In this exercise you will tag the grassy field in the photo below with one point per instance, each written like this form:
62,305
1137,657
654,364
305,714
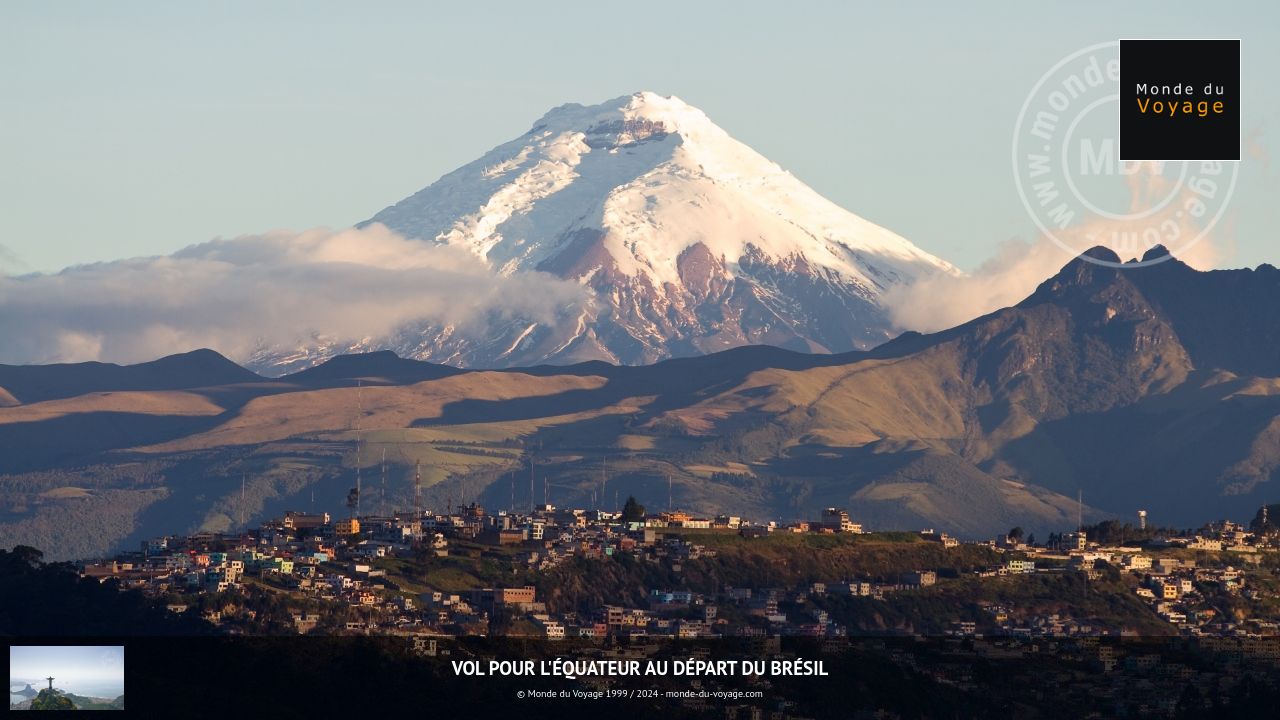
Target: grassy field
778,561
1109,603
467,567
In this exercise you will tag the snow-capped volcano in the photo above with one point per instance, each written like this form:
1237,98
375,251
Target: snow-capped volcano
687,240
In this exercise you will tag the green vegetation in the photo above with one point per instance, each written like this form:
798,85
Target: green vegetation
778,561
1109,602
1113,532
632,511
87,703
719,538
38,598
468,566
1266,519
79,527
52,700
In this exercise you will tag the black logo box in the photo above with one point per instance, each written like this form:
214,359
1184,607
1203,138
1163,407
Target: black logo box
1182,65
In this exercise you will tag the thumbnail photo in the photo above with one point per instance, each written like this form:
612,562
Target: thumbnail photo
66,677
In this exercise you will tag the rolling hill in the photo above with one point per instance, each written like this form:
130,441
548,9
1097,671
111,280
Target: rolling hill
1123,385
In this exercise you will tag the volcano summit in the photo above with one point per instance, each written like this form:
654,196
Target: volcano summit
686,242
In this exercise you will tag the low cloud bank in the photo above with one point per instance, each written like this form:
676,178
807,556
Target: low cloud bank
944,301
276,290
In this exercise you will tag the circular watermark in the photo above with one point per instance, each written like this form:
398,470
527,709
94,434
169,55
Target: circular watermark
1081,195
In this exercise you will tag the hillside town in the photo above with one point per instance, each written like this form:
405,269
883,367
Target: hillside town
356,575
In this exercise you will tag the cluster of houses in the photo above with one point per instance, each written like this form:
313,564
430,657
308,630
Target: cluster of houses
337,560
1179,592
1175,587
340,561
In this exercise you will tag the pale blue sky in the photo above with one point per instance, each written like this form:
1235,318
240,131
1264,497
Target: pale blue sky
80,669
136,128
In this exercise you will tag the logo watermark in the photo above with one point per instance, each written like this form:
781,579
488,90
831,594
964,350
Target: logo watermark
1066,162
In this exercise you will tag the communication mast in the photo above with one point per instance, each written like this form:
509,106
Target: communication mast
1079,510
359,412
417,489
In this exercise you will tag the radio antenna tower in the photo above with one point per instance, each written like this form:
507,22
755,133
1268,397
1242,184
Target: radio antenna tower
242,498
382,500
359,412
417,489
1079,509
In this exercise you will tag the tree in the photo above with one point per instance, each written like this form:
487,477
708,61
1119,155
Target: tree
632,511
1031,539
1266,519
27,555
1015,534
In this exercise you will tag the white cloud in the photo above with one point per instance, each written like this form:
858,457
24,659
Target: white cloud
276,289
944,301
10,259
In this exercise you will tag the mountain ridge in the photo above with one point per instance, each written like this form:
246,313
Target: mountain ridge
1104,382
196,368
686,241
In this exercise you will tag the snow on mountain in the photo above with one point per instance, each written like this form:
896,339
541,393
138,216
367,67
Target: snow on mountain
690,242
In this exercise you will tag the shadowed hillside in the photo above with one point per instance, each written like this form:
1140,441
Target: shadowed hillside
1121,384
198,368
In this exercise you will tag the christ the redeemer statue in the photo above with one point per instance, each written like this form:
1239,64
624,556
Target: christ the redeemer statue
50,679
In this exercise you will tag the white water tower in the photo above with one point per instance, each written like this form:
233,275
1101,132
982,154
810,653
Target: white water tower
1142,519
